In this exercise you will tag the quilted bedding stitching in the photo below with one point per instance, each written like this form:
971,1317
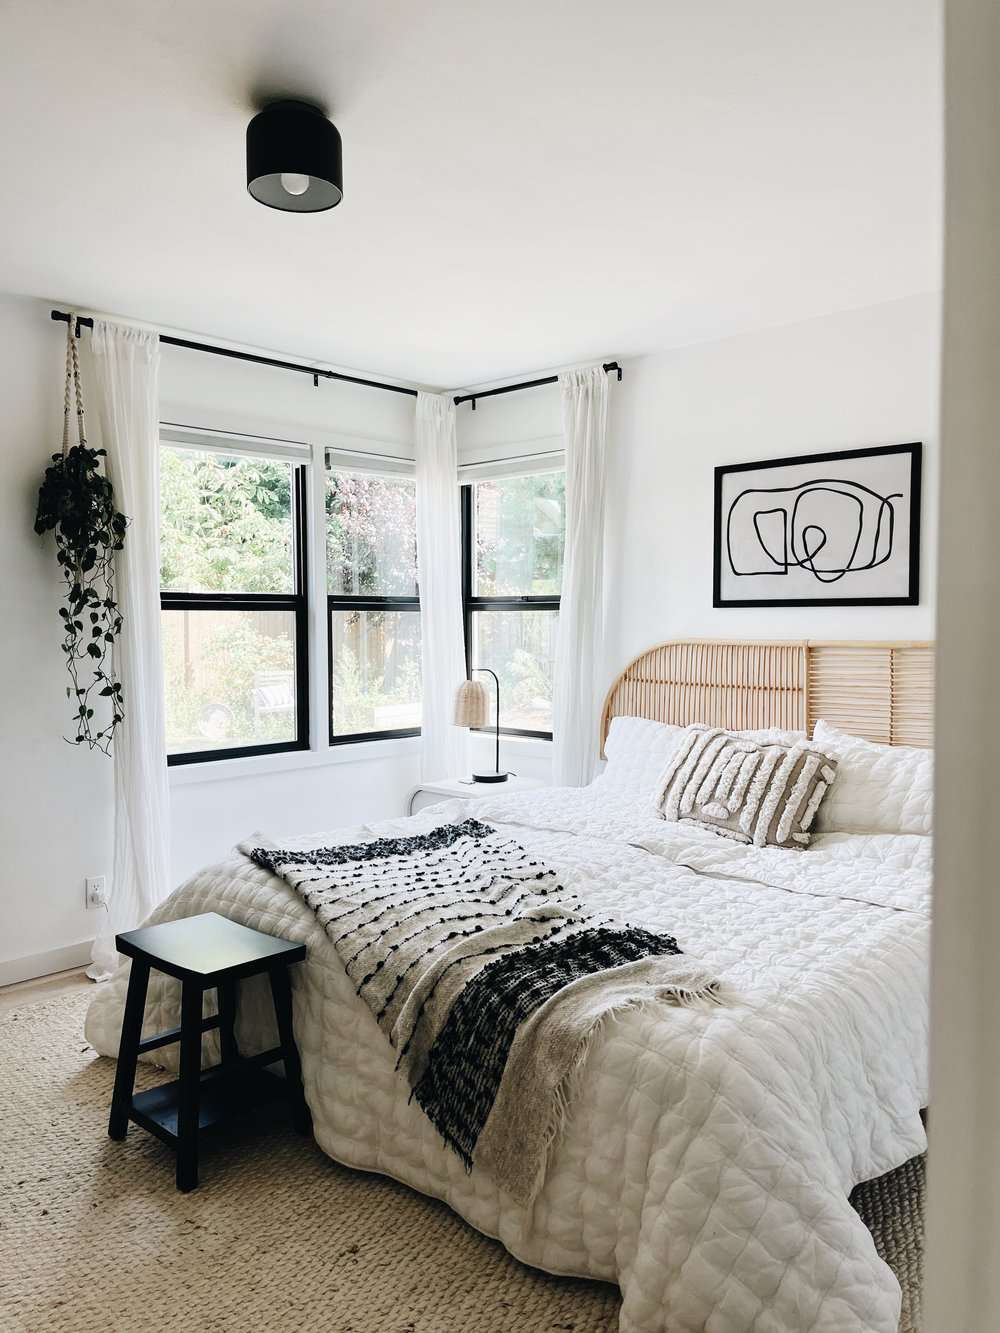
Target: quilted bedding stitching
707,1157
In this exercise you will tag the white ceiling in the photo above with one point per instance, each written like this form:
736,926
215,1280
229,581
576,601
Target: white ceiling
526,184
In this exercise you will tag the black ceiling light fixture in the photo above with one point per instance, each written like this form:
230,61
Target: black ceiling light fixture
294,158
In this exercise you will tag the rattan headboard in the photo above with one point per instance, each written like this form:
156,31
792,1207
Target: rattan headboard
882,691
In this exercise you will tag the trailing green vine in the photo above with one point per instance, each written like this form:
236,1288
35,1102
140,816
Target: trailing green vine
76,502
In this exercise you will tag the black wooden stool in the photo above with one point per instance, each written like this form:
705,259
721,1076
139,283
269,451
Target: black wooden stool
204,952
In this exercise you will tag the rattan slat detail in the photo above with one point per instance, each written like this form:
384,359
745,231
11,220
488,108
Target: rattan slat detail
881,691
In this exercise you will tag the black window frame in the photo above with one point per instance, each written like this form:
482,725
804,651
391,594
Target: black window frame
360,602
472,604
296,601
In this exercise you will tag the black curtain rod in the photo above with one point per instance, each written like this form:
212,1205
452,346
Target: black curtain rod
608,367
84,321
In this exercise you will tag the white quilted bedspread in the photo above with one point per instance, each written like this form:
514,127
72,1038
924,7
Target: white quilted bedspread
708,1154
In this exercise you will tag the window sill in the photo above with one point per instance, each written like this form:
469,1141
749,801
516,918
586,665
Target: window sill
290,761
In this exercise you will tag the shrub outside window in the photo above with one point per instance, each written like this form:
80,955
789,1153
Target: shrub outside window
513,540
233,604
373,606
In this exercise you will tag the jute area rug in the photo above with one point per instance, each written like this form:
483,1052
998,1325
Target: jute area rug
95,1239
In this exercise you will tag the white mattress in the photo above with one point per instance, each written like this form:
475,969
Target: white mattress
708,1154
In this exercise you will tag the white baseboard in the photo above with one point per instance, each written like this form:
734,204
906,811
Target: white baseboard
43,964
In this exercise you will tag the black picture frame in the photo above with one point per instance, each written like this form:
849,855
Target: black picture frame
912,597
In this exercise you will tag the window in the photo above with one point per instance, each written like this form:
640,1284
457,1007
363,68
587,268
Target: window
373,606
233,604
513,536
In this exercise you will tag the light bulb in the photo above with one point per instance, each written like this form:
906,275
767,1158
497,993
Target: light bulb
293,182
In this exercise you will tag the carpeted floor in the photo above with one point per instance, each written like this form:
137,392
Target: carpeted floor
279,1239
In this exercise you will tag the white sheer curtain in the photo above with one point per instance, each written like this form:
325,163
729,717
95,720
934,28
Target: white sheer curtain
127,369
575,701
439,573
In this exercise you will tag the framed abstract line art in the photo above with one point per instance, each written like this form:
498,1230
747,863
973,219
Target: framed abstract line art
839,529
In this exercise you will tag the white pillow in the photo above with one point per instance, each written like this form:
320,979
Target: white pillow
879,788
637,752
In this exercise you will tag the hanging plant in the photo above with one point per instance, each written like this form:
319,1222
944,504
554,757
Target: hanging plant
76,502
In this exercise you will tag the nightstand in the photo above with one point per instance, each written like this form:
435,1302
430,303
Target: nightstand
467,791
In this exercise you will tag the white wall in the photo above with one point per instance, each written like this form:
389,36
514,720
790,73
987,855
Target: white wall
866,377
55,799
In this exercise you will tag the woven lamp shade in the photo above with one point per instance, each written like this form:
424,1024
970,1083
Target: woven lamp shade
471,705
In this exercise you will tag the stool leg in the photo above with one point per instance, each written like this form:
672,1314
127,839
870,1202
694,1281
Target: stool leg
190,1086
128,1049
281,991
226,993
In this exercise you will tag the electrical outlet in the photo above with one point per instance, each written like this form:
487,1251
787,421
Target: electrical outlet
97,892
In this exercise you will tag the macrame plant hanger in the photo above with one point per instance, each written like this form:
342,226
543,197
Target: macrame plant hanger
76,501
74,387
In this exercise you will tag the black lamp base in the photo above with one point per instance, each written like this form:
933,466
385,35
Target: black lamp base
490,777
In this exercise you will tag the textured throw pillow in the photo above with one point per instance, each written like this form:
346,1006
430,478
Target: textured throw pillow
880,788
756,792
775,736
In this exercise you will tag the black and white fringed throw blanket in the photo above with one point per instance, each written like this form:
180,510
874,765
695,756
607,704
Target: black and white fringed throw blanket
487,977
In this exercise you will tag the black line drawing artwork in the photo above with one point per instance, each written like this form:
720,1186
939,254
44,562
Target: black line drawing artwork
864,519
843,531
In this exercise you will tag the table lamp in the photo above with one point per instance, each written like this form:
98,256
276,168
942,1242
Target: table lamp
472,710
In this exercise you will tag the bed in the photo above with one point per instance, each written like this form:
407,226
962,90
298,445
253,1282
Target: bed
708,1153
